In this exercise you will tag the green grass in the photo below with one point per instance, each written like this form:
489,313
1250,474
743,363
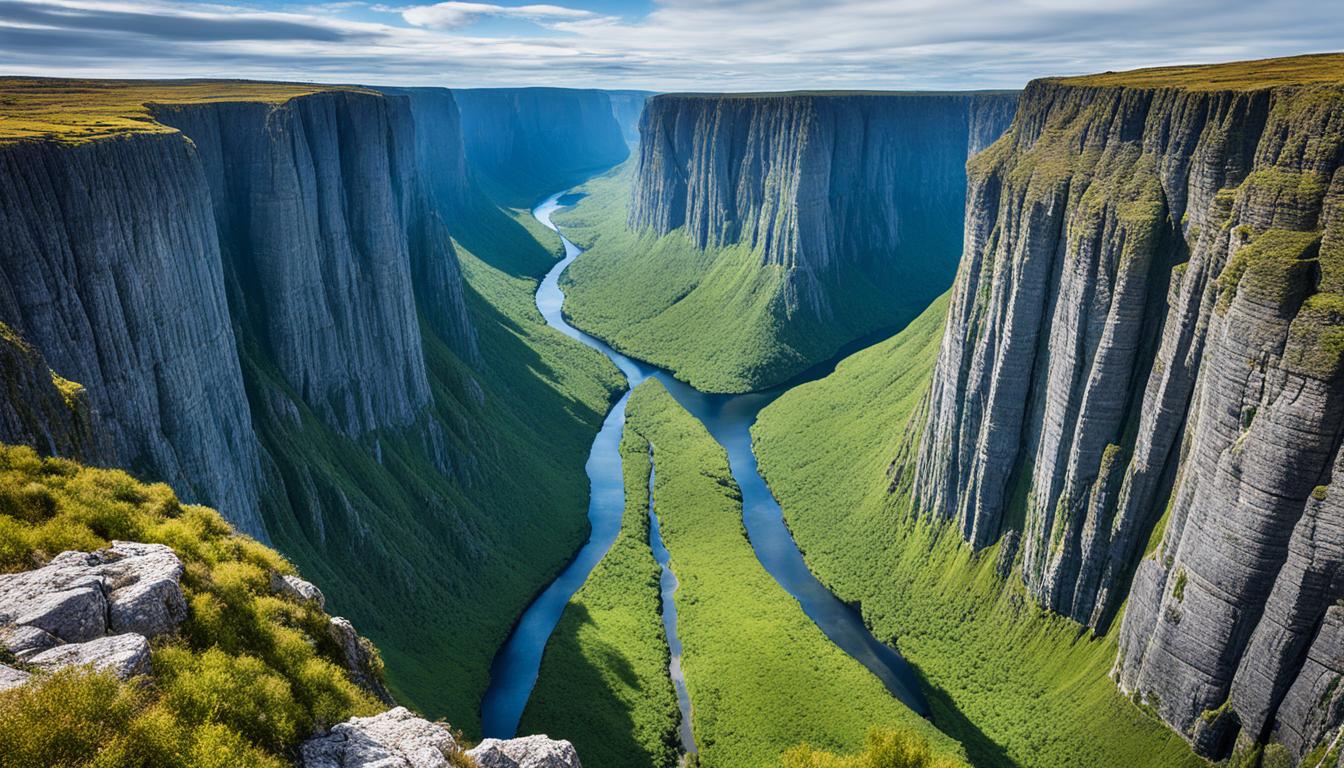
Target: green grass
76,111
885,748
248,676
1231,76
435,567
762,677
717,318
1014,683
604,681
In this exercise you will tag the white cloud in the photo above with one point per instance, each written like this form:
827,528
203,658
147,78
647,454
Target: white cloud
678,45
451,15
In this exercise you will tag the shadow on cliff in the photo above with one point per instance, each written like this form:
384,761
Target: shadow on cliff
498,239
597,673
981,750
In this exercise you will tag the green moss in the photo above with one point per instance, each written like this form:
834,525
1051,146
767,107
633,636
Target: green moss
604,681
1178,588
1273,266
1325,68
761,675
1014,683
1316,337
249,676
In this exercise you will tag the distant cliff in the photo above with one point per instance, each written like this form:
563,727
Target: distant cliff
628,107
529,142
1145,342
818,183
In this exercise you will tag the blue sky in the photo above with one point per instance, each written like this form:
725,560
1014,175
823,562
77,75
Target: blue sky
711,45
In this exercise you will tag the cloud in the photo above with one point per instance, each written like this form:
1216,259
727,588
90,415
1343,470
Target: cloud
674,45
459,14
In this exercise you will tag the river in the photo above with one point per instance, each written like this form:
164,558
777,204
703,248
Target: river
728,419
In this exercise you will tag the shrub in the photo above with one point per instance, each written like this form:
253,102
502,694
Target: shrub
885,748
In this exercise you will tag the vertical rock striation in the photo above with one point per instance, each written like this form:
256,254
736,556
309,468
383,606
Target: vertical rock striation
1149,317
818,183
109,264
628,108
38,407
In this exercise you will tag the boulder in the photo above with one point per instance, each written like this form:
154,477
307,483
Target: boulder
11,677
525,752
124,655
27,640
297,589
394,739
81,596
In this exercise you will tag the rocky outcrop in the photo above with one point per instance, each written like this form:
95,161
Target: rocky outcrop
819,184
530,142
398,739
359,658
525,752
94,608
298,590
110,266
1146,327
40,408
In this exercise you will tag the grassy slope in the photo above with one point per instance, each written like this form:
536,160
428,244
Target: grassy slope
83,110
1015,684
1234,75
604,683
713,317
248,676
762,677
436,568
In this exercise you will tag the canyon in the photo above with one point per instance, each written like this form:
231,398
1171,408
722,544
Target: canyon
1002,425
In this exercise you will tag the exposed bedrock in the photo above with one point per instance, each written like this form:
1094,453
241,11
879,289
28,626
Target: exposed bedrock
110,266
530,142
40,408
818,183
1146,330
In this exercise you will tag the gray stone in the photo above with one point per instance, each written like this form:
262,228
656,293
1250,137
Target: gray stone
357,655
124,655
26,640
11,677
297,589
394,739
525,752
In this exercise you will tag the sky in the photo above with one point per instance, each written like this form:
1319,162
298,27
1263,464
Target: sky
663,45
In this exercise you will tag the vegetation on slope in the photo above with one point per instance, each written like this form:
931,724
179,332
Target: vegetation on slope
436,567
248,676
885,748
1014,683
762,677
717,317
76,111
604,681
1233,76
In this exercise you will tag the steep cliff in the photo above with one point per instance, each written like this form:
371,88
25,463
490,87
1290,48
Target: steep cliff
1144,341
758,234
525,143
40,408
110,265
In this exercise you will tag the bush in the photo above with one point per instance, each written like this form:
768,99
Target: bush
885,748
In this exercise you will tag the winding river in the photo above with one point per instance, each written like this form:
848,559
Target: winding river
728,419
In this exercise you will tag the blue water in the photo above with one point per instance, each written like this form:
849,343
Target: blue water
667,583
728,419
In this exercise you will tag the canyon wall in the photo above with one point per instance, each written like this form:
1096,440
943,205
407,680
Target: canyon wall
529,142
628,108
1141,372
818,183
110,266
131,262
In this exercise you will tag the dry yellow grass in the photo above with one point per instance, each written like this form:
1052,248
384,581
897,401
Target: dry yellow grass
1314,69
76,111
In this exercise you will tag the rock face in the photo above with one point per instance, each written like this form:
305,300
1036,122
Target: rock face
110,265
525,752
359,657
1148,316
820,184
93,608
529,142
38,407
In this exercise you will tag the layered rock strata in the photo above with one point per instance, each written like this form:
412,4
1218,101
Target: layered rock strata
1146,331
818,183
39,407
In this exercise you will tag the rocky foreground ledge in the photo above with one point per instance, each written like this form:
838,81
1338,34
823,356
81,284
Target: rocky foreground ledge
101,610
